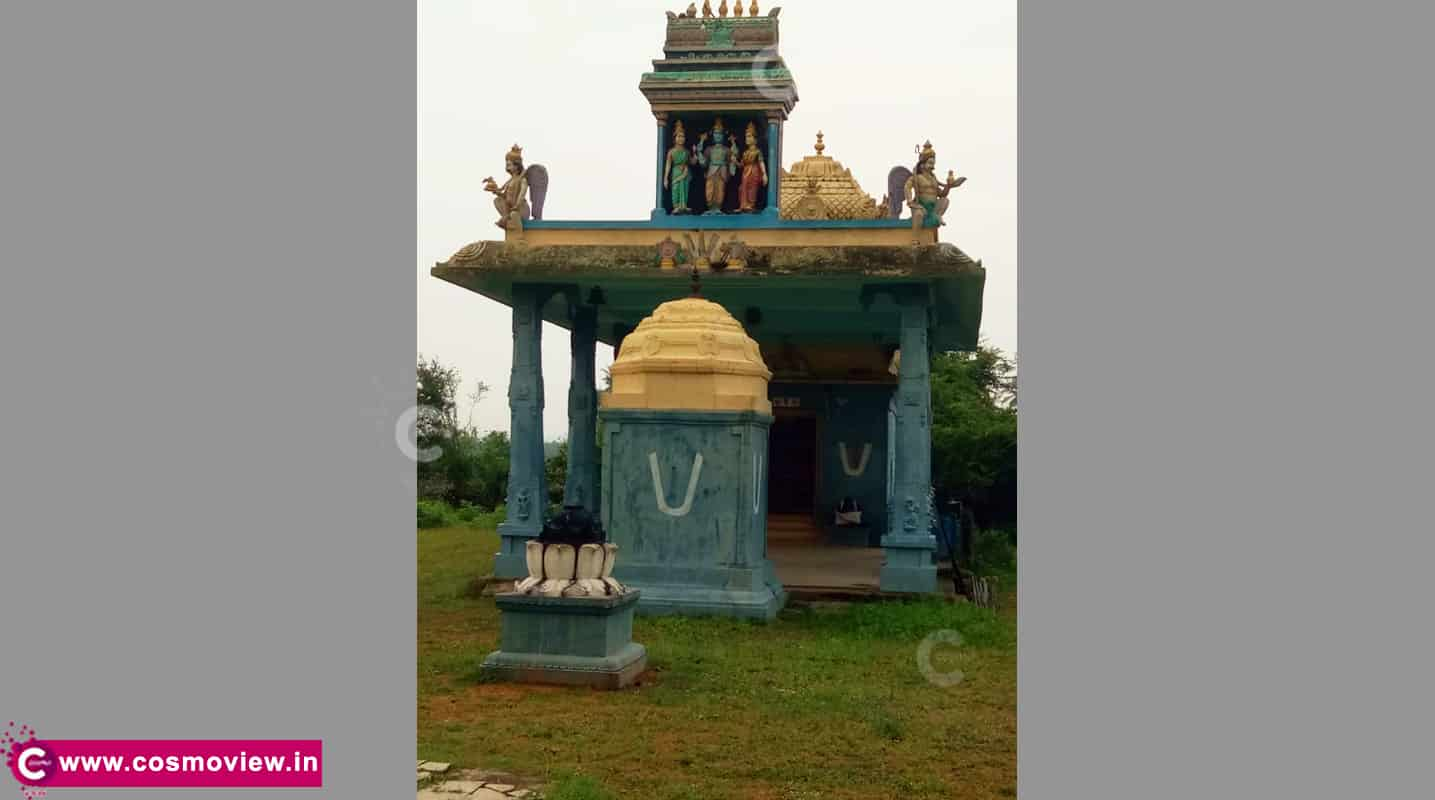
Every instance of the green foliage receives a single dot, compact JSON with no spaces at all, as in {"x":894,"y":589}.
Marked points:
{"x":994,"y":553}
{"x":439,"y":514}
{"x":573,"y":786}
{"x":555,"y":469}
{"x":438,"y":409}
{"x":471,"y":468}
{"x":435,"y":514}
{"x":974,"y":432}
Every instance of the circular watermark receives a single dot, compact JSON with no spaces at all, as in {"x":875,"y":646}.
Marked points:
{"x":406,"y":432}
{"x":933,"y":675}
{"x":769,"y":74}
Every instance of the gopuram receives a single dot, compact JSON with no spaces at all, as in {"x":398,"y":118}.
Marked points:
{"x":773,"y":327}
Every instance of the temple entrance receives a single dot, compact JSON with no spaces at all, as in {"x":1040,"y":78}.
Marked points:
{"x":792,"y":452}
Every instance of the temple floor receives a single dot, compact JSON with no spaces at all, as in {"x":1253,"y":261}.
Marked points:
{"x":808,"y":569}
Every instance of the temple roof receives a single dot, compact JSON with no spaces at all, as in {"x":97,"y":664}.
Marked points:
{"x":799,"y":295}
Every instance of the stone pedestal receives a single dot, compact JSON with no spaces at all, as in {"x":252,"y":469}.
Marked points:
{"x":578,"y":641}
{"x":685,"y":498}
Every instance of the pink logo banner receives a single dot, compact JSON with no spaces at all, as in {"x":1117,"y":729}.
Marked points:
{"x":167,"y":763}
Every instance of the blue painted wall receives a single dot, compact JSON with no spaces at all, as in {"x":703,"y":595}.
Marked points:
{"x":855,"y":415}
{"x":702,"y":551}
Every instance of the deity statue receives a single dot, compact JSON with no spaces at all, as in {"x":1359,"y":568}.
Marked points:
{"x":721,"y":165}
{"x":754,"y":172}
{"x":675,"y":170}
{"x":512,"y":197}
{"x":925,"y":194}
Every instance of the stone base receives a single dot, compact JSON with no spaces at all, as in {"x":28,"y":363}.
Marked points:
{"x":659,"y":600}
{"x":609,"y":672}
{"x":567,"y":640}
{"x":909,"y":580}
{"x":510,"y":563}
{"x":908,"y":566}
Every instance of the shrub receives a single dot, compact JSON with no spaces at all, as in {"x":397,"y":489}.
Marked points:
{"x":994,"y":553}
{"x":435,"y":514}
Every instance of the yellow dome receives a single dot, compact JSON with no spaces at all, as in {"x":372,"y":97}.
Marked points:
{"x":690,"y":355}
{"x":819,"y":187}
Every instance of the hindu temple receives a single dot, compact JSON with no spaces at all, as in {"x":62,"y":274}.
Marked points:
{"x":768,"y":423}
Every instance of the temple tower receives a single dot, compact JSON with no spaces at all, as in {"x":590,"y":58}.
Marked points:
{"x":720,"y":69}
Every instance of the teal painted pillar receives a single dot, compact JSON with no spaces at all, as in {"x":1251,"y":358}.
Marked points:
{"x":774,"y":161}
{"x":909,"y":546}
{"x":527,"y":489}
{"x":580,"y":487}
{"x":658,"y":207}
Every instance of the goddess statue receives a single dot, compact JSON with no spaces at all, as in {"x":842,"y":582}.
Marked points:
{"x":720,"y":163}
{"x":675,"y":170}
{"x":754,"y":172}
{"x":925,"y":195}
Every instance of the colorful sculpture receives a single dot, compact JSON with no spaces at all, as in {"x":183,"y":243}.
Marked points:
{"x":720,"y":163}
{"x":754,"y":172}
{"x":925,"y":195}
{"x":676,"y":176}
{"x":512,"y":197}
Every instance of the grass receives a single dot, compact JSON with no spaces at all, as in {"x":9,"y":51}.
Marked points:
{"x":825,"y":702}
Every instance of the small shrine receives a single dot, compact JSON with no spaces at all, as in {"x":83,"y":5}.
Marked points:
{"x":763,"y":421}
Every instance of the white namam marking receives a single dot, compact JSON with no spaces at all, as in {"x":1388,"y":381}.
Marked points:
{"x":661,"y":493}
{"x":853,"y":472}
{"x":756,"y":481}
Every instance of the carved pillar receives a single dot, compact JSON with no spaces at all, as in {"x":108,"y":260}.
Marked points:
{"x":580,"y":487}
{"x":909,"y":545}
{"x":658,"y":205}
{"x":774,"y":161}
{"x":527,"y":488}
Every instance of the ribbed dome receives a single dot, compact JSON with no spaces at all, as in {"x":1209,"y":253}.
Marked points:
{"x":690,"y":354}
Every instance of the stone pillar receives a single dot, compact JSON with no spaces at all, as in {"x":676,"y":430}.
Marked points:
{"x":580,"y":487}
{"x":658,"y":206}
{"x":908,"y":564}
{"x":527,"y":488}
{"x":774,"y":162}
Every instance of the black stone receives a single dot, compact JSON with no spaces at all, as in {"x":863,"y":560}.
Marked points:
{"x":575,"y":526}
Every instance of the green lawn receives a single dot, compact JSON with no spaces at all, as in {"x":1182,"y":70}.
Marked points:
{"x":824,"y":702}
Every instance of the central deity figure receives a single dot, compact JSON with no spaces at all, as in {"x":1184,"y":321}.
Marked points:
{"x":754,"y":171}
{"x":718,"y":158}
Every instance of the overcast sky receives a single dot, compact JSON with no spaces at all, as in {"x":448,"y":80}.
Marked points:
{"x":560,"y":78}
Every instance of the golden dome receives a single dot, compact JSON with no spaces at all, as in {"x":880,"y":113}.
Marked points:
{"x":689,"y":355}
{"x":819,"y":187}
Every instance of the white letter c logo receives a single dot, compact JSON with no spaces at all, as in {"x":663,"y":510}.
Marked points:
{"x":23,"y":763}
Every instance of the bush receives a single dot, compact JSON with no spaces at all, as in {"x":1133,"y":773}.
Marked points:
{"x":438,"y":514}
{"x":994,"y":553}
{"x":435,"y":514}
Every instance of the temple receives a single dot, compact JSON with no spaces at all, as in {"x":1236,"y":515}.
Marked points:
{"x":769,"y":419}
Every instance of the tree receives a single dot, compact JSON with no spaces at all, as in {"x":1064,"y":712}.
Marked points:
{"x":974,"y":425}
{"x":555,"y":468}
{"x":472,"y":468}
{"x":438,"y":410}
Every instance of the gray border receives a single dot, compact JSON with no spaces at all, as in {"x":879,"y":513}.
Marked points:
{"x":1218,"y":585}
{"x":207,"y":318}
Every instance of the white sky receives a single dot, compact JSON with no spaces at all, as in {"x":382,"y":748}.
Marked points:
{"x":560,"y":78}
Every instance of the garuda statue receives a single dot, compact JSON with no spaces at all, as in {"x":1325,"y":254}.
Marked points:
{"x":512,"y":196}
{"x":921,"y":190}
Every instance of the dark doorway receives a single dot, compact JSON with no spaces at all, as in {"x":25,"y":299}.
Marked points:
{"x":792,"y":452}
